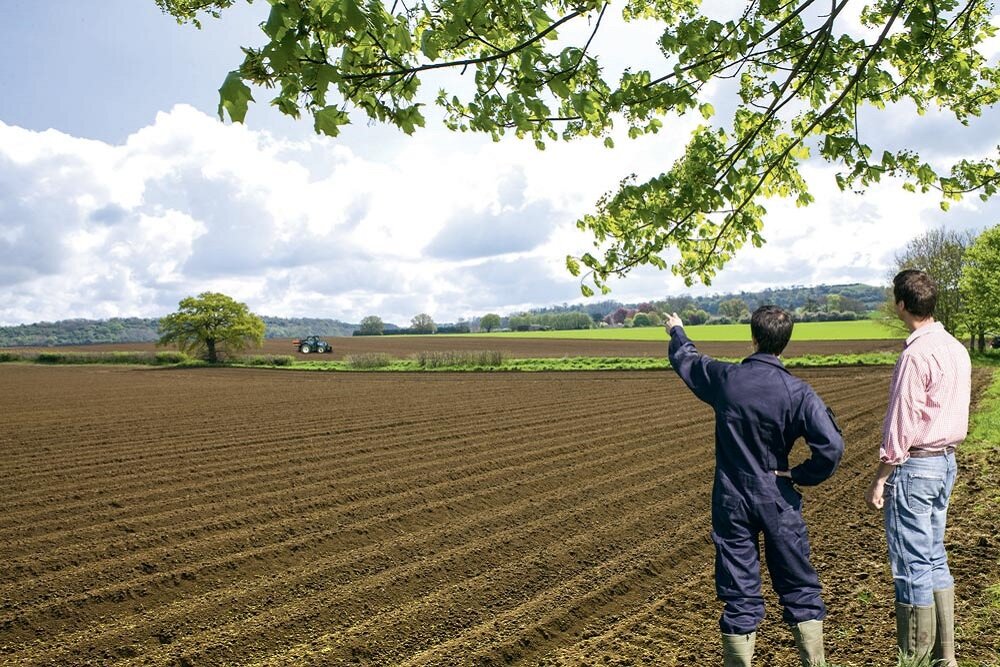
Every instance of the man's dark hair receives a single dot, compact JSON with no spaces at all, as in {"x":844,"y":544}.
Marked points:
{"x":917,"y":291}
{"x":771,"y":328}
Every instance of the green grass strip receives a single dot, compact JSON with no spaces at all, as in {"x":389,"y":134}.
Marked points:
{"x":984,"y":430}
{"x":804,"y":331}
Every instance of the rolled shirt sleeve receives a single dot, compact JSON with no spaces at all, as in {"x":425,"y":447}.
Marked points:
{"x":906,"y":418}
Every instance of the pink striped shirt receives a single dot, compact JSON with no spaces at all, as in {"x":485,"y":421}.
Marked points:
{"x":929,"y":395}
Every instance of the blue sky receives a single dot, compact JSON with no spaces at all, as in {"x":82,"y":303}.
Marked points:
{"x":121,"y":192}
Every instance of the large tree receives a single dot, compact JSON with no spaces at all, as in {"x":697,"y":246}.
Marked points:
{"x":423,"y":323}
{"x":980,"y":286}
{"x":940,"y":253}
{"x":210,"y":325}
{"x":797,"y":75}
{"x":489,"y":322}
{"x":372,"y":325}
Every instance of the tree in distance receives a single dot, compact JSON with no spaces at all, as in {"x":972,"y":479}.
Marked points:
{"x":695,"y":316}
{"x":734,"y":308}
{"x":980,"y":286}
{"x":796,"y":77}
{"x":423,"y":323}
{"x":641,"y":320}
{"x":940,"y":253}
{"x":372,"y":325}
{"x":210,"y":325}
{"x":489,"y":322}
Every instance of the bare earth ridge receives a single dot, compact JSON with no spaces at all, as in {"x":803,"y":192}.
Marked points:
{"x":226,"y":516}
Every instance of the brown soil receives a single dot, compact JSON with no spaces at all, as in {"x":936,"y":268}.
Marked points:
{"x":223,"y":516}
{"x":526,"y":348}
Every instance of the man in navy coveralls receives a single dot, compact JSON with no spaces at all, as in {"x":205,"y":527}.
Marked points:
{"x":760,"y":411}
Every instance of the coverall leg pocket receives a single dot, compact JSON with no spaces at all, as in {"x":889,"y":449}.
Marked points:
{"x":737,"y":569}
{"x":786,"y":550}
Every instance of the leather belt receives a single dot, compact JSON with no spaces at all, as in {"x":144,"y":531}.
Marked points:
{"x":925,"y":453}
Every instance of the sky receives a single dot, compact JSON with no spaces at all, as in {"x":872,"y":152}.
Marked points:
{"x":121,"y":191}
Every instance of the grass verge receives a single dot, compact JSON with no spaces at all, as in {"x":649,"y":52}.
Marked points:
{"x":980,"y":456}
{"x":984,"y":427}
{"x":167,"y":358}
{"x":856,"y":330}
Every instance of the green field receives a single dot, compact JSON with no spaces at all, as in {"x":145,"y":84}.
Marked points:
{"x":858,"y":330}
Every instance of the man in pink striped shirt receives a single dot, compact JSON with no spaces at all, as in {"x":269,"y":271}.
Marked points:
{"x":928,"y":417}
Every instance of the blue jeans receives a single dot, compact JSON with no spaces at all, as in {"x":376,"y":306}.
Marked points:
{"x":916,"y":509}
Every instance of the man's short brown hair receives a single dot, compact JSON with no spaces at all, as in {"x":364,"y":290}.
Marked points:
{"x":771,"y":327}
{"x":917,"y":291}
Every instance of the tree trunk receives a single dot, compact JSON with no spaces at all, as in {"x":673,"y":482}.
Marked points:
{"x":212,"y":358}
{"x":972,"y":342}
{"x":982,"y":340}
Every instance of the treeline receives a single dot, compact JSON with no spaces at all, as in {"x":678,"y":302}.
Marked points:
{"x":562,"y":321}
{"x":820,"y":303}
{"x":145,"y":330}
{"x":808,"y":302}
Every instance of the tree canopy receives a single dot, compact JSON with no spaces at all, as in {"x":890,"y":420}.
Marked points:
{"x":941,"y":254}
{"x":489,"y":322}
{"x":798,"y":72}
{"x":980,"y":285}
{"x":211,"y":324}
{"x":372,"y":325}
{"x":423,"y":323}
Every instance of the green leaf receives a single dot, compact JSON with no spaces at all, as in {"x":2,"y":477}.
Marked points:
{"x":707,"y":110}
{"x":329,"y":119}
{"x":353,"y":15}
{"x":427,"y":44}
{"x":234,"y":97}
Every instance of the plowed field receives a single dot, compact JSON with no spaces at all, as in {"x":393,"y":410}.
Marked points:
{"x":224,"y":516}
{"x":529,"y":348}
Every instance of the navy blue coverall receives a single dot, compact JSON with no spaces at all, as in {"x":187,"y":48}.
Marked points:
{"x":760,"y":411}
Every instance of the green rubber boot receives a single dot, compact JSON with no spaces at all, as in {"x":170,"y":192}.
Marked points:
{"x":737,"y":650}
{"x":944,"y":643}
{"x":915,"y":630}
{"x":809,"y":640}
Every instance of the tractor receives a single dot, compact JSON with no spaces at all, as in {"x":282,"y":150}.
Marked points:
{"x":311,"y":344}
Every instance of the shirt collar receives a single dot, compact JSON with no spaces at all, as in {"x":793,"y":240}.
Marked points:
{"x":926,"y":329}
{"x":766,"y":358}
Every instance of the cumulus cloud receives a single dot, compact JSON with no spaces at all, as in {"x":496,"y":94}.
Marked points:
{"x":450,"y":225}
{"x":511,"y":225}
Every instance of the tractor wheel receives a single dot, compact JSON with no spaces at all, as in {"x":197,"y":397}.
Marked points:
{"x":328,"y":350}
{"x":304,"y":348}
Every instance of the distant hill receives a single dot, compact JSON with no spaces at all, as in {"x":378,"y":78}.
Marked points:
{"x":863,"y":297}
{"x":143,"y":330}
{"x":859,"y":297}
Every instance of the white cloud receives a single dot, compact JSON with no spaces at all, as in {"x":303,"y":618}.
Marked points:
{"x":453,"y":225}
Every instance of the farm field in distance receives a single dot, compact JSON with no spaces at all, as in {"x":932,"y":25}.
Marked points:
{"x":232,"y":516}
{"x":804,"y":331}
{"x":527,"y":347}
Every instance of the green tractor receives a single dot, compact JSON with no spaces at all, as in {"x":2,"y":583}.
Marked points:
{"x":311,"y":344}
